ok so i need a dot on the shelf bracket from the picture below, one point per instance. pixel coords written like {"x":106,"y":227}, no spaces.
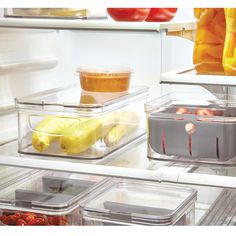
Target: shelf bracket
{"x":184,"y":33}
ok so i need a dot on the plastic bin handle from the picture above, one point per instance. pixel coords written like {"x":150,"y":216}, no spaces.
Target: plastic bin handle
{"x":130,"y":209}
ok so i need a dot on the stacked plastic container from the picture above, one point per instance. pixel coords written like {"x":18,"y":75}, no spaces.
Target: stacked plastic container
{"x":46,"y":198}
{"x":50,"y":198}
{"x":133,"y":202}
{"x":75,"y":123}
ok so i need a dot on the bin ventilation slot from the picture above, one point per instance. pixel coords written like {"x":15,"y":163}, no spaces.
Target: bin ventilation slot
{"x":217,"y":148}
{"x":163,"y":142}
{"x":190,"y":145}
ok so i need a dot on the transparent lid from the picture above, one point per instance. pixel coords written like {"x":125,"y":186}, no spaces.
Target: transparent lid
{"x":138,"y":202}
{"x":46,"y":192}
{"x":10,"y":175}
{"x":201,"y":107}
{"x":106,"y":69}
{"x":74,"y":99}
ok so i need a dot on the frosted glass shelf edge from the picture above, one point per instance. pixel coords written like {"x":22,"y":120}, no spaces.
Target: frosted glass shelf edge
{"x":92,"y":24}
{"x":182,"y":76}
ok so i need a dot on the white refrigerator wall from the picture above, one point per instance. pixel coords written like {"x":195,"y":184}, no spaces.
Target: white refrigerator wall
{"x":30,"y":61}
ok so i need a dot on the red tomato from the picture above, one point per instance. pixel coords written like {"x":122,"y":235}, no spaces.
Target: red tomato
{"x":128,"y":14}
{"x":161,"y":14}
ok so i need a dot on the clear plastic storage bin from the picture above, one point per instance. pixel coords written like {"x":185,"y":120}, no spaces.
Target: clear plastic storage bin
{"x":134,"y":202}
{"x":56,"y":13}
{"x":79,"y":124}
{"x":192,"y":128}
{"x":46,"y":12}
{"x":46,"y":198}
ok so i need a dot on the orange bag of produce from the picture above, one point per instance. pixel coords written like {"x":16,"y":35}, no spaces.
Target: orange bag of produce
{"x":229,"y":55}
{"x":209,"y":41}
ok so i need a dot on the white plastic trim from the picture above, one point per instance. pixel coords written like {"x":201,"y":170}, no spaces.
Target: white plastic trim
{"x":185,"y":76}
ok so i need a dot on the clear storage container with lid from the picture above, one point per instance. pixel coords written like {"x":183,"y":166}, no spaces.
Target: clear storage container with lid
{"x":192,"y":128}
{"x":71,"y":122}
{"x":105,"y":78}
{"x":134,"y":202}
{"x":46,"y":198}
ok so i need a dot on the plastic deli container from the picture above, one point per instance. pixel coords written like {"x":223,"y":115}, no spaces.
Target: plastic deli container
{"x":192,"y":128}
{"x":73,"y":123}
{"x":134,"y":202}
{"x":46,"y":198}
{"x":105,"y":79}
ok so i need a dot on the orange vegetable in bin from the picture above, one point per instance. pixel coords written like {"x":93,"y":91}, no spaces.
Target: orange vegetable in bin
{"x":204,"y":36}
{"x":209,"y":41}
{"x":229,"y":55}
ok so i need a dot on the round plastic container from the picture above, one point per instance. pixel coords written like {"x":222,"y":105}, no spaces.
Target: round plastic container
{"x":105,"y":79}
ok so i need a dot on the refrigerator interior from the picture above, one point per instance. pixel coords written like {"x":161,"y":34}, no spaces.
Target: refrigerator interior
{"x":33,"y":60}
